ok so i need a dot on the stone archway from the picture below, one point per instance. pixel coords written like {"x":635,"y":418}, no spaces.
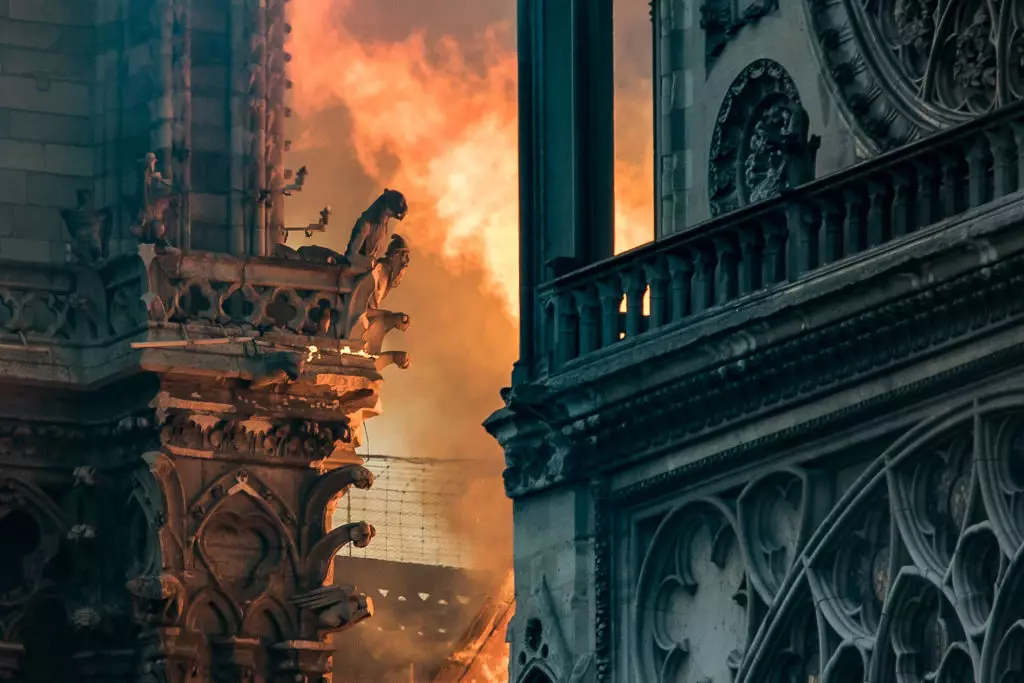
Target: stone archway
{"x":912,"y":575}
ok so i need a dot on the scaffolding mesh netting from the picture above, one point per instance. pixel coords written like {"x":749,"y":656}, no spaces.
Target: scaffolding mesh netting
{"x":410,"y":505}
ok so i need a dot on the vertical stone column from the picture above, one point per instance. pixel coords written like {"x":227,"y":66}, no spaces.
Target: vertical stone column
{"x":594,"y":107}
{"x":566,"y":147}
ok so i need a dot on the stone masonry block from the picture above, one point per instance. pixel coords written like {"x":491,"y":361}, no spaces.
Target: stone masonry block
{"x":22,"y":34}
{"x":67,"y":160}
{"x":72,"y":12}
{"x":5,"y":8}
{"x":6,"y":219}
{"x":16,"y":61}
{"x":71,"y":130}
{"x":45,"y":189}
{"x":5,"y":123}
{"x":13,"y":186}
{"x":56,"y":97}
{"x":18,"y":249}
{"x":38,"y":223}
{"x":22,"y":156}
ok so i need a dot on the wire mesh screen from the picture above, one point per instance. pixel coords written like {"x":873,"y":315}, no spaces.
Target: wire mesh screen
{"x":410,"y":505}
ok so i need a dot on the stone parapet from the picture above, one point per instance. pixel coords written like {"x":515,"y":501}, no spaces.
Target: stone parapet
{"x":680,"y":279}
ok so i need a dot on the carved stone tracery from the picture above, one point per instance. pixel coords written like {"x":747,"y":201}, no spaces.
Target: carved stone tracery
{"x":910,"y":577}
{"x":909,"y":67}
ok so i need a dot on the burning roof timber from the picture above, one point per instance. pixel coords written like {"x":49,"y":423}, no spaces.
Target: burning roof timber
{"x":482,"y":653}
{"x":421,"y":615}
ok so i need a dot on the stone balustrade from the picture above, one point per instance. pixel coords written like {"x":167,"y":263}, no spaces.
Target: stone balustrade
{"x":74,"y":306}
{"x":256,"y":294}
{"x":749,"y":251}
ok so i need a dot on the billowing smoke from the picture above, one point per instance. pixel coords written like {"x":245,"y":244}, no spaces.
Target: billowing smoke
{"x":420,"y":96}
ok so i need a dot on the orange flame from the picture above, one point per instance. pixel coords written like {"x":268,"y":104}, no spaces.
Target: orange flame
{"x":453,"y":128}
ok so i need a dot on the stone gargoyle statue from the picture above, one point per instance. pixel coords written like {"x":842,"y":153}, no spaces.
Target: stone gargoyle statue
{"x":368,"y":241}
{"x":89,"y":230}
{"x":336,"y":608}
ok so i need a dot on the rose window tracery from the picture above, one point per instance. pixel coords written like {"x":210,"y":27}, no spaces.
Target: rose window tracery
{"x":910,"y":67}
{"x":914,"y":575}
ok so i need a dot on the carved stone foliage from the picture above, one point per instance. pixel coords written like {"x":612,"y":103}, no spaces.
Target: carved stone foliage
{"x":756,"y":146}
{"x":907,"y":67}
{"x":723,"y":19}
{"x":913,"y":575}
{"x":290,"y":440}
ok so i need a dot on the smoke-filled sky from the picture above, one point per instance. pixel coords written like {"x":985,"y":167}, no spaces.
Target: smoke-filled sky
{"x":420,"y":96}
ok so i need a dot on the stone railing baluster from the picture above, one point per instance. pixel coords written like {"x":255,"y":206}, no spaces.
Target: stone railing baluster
{"x":726,"y":263}
{"x":806,"y":249}
{"x":657,"y":277}
{"x":854,"y":237}
{"x":680,"y":272}
{"x":901,"y":217}
{"x":749,"y":275}
{"x":977,"y":173}
{"x":925,"y":204}
{"x":567,"y":321}
{"x":703,"y":280}
{"x":774,"y":262}
{"x":878,"y":212}
{"x":635,"y":282}
{"x":951,"y":184}
{"x":830,"y":239}
{"x":609,"y":291}
{"x":1017,"y":129}
{"x":1000,"y":144}
{"x":589,"y":309}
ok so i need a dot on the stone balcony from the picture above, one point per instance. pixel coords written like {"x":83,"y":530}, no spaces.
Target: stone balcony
{"x":774,"y":321}
{"x":744,"y":255}
{"x":199,"y":317}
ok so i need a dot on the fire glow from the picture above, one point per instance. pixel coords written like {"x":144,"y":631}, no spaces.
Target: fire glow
{"x":452,"y":125}
{"x":437,"y":119}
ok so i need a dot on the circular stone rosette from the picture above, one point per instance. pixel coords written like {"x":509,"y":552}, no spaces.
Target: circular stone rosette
{"x":905,"y":68}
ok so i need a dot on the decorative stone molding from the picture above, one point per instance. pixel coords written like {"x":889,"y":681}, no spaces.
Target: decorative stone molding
{"x":914,"y":568}
{"x":296,"y":440}
{"x":760,"y":143}
{"x":722,"y":20}
{"x":906,"y":68}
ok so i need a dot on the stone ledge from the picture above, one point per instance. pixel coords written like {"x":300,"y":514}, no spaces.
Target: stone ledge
{"x":895,"y":292}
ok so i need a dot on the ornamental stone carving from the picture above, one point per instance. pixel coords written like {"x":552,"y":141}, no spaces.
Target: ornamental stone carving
{"x":914,"y":574}
{"x":904,"y":68}
{"x":761,"y":143}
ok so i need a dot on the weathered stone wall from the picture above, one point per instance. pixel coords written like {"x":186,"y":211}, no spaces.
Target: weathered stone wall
{"x":47,"y":83}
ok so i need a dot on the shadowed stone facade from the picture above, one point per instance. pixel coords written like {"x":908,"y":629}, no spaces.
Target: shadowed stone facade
{"x":181,"y":396}
{"x":779,"y":443}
